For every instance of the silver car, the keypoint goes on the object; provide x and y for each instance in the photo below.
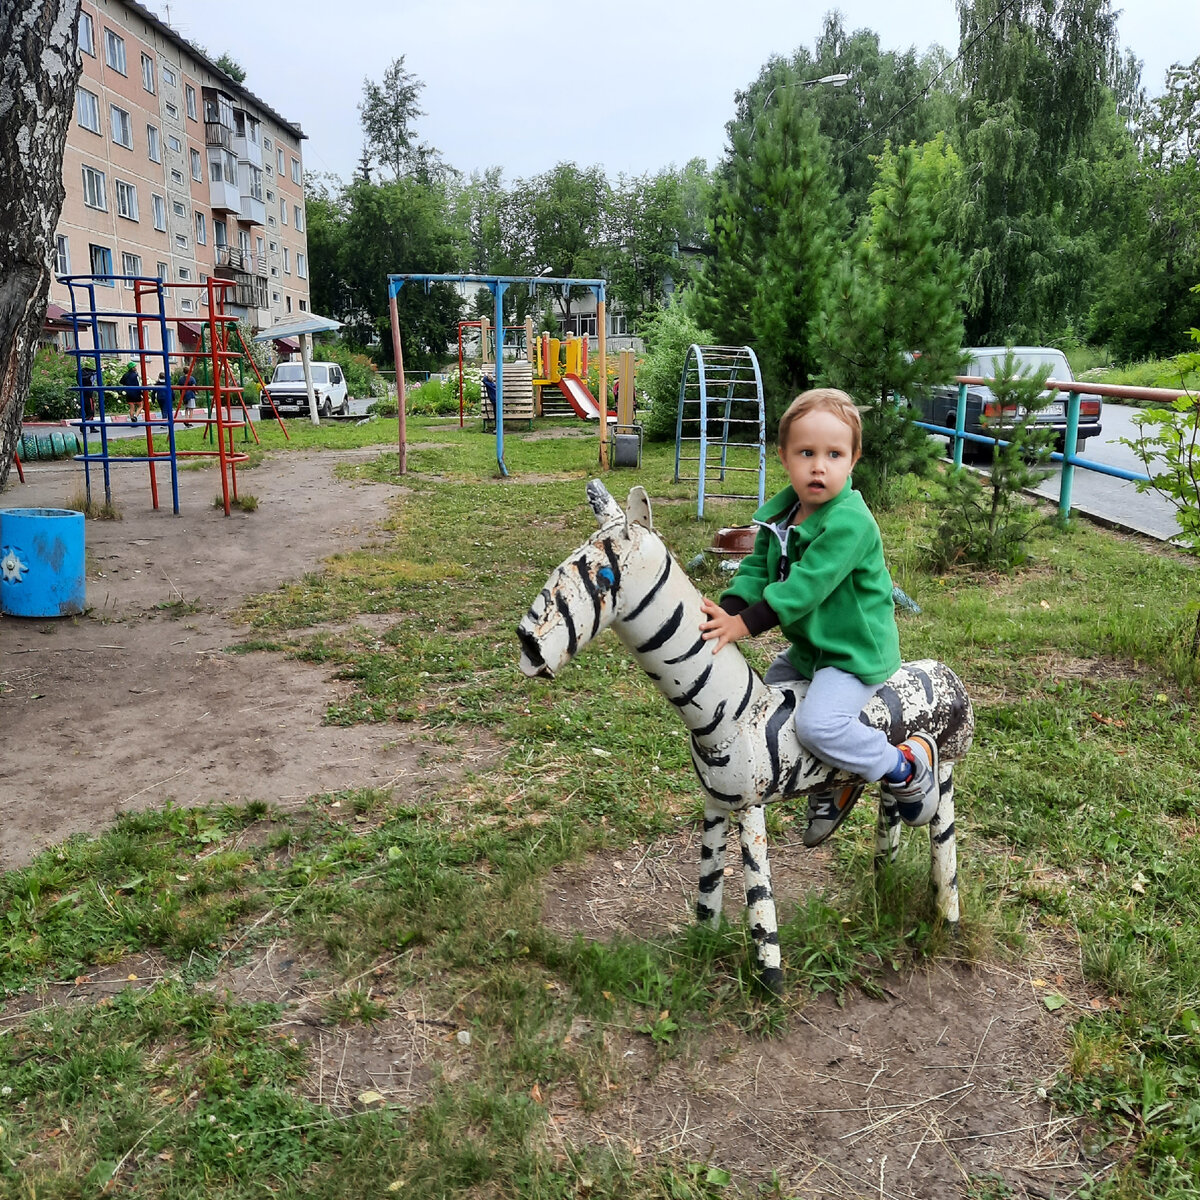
(984, 413)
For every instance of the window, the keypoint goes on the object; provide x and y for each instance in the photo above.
(304, 306)
(301, 266)
(169, 75)
(283, 210)
(87, 34)
(287, 261)
(279, 158)
(267, 144)
(114, 51)
(181, 241)
(189, 93)
(93, 190)
(295, 170)
(271, 221)
(153, 143)
(185, 274)
(177, 176)
(289, 303)
(62, 255)
(274, 247)
(100, 260)
(107, 334)
(244, 242)
(270, 196)
(131, 264)
(87, 108)
(122, 126)
(219, 232)
(179, 208)
(127, 205)
(258, 246)
(186, 305)
(197, 169)
(163, 272)
(174, 143)
(203, 295)
(215, 174)
(172, 110)
(274, 297)
(135, 340)
(148, 73)
(298, 214)
(256, 190)
(275, 272)
(160, 212)
(201, 230)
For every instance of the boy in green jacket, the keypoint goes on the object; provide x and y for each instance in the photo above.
(817, 571)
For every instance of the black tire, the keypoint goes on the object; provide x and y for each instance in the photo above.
(344, 411)
(327, 407)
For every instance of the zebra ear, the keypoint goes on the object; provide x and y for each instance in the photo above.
(603, 505)
(637, 508)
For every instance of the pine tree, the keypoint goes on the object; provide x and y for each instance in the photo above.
(776, 222)
(894, 322)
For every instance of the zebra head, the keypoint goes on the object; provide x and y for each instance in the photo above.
(581, 598)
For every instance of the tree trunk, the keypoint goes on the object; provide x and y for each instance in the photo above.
(37, 100)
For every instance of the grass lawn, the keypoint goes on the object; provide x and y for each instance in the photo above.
(1078, 812)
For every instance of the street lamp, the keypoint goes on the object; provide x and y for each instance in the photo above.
(838, 80)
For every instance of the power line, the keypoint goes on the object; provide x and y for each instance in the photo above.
(925, 90)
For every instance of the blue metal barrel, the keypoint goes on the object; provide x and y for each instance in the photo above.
(41, 562)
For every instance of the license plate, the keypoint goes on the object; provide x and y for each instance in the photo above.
(1053, 410)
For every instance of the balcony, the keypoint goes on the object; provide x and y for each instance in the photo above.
(253, 211)
(248, 151)
(233, 260)
(216, 134)
(223, 195)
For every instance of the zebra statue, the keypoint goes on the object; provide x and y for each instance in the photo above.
(744, 745)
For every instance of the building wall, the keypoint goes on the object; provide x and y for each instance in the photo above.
(163, 88)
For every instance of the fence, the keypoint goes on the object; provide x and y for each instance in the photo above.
(1068, 458)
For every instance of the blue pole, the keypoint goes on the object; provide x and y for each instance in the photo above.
(960, 424)
(498, 292)
(1068, 463)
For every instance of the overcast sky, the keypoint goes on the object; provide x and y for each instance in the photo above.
(629, 85)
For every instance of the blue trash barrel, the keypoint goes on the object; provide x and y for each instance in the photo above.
(41, 562)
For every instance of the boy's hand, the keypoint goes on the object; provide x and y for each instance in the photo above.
(721, 628)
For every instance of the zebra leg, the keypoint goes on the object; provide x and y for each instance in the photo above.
(943, 866)
(712, 864)
(887, 832)
(760, 900)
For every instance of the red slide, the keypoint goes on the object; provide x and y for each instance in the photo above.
(580, 399)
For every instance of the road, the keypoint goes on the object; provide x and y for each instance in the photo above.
(1116, 500)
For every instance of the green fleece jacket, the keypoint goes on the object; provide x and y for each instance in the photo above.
(832, 595)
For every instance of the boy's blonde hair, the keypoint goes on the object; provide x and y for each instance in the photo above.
(826, 400)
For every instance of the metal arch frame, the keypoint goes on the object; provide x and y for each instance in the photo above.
(696, 352)
(497, 285)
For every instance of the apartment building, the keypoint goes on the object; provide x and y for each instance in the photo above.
(172, 169)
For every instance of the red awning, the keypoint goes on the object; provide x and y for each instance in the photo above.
(57, 318)
(188, 331)
(287, 345)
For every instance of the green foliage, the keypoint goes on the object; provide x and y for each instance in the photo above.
(894, 325)
(667, 335)
(362, 376)
(231, 67)
(50, 397)
(776, 221)
(989, 524)
(388, 111)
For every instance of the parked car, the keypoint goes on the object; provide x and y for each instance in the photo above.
(984, 413)
(290, 393)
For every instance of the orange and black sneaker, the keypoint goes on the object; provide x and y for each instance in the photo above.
(917, 799)
(827, 810)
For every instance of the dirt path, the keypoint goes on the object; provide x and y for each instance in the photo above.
(139, 701)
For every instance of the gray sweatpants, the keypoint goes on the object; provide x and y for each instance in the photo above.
(827, 720)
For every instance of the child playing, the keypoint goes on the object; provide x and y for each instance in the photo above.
(817, 571)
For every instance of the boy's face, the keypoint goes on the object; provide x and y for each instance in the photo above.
(818, 457)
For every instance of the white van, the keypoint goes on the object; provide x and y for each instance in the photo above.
(288, 390)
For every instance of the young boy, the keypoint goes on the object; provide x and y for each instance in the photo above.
(817, 571)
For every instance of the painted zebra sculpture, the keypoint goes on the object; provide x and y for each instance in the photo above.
(743, 739)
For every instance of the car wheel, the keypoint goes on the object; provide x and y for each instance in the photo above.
(344, 411)
(327, 407)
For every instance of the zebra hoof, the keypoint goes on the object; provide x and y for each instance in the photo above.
(772, 979)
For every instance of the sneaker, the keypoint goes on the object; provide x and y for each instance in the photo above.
(917, 800)
(827, 810)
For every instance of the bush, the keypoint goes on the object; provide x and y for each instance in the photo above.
(667, 334)
(50, 397)
(362, 376)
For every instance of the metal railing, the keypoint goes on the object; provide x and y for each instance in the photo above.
(1075, 390)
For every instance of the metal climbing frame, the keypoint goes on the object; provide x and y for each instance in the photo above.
(721, 414)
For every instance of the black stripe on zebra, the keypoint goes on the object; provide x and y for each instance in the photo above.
(718, 717)
(589, 585)
(735, 800)
(654, 590)
(749, 861)
(690, 652)
(779, 719)
(757, 894)
(896, 726)
(614, 563)
(926, 682)
(762, 937)
(710, 760)
(945, 835)
(741, 708)
(709, 882)
(690, 695)
(564, 610)
(666, 631)
(713, 822)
